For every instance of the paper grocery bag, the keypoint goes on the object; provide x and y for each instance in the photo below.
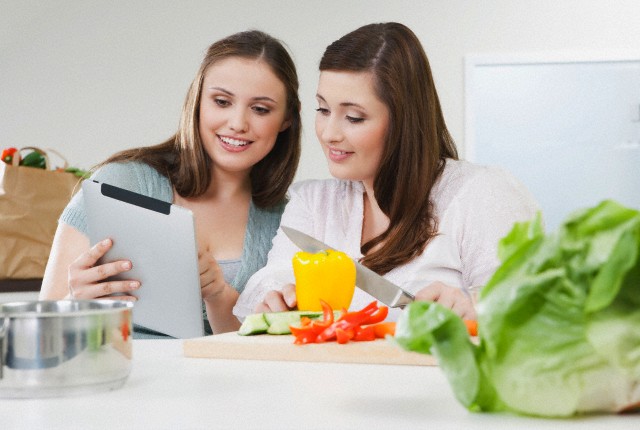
(31, 201)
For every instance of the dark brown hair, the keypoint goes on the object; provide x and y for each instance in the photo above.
(183, 159)
(417, 141)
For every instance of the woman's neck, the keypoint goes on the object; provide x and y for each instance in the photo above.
(228, 185)
(374, 221)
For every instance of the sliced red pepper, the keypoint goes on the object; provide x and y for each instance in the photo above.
(309, 329)
(327, 315)
(349, 320)
(305, 321)
(382, 329)
(307, 334)
(472, 327)
(366, 333)
(358, 326)
(359, 317)
(378, 316)
(344, 336)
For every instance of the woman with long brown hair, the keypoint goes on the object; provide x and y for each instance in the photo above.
(230, 162)
(401, 201)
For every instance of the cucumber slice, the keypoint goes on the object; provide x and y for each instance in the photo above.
(277, 322)
(290, 317)
(253, 324)
(279, 327)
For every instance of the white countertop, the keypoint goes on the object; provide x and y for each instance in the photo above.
(169, 391)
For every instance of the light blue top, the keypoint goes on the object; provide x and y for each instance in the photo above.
(141, 178)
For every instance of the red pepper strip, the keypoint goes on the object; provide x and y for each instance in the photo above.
(359, 317)
(349, 320)
(472, 327)
(359, 325)
(378, 316)
(309, 329)
(307, 334)
(382, 329)
(305, 321)
(330, 332)
(327, 315)
(366, 333)
(344, 336)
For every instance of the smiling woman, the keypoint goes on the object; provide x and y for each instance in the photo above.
(243, 108)
(351, 124)
(401, 201)
(230, 163)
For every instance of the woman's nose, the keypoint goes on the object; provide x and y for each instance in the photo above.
(238, 121)
(328, 130)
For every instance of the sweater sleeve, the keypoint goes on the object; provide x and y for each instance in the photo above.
(494, 201)
(137, 177)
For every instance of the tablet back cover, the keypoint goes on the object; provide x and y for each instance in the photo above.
(159, 239)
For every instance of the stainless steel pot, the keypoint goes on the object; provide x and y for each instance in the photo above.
(56, 348)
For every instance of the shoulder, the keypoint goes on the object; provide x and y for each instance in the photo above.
(462, 178)
(137, 177)
(482, 191)
(325, 189)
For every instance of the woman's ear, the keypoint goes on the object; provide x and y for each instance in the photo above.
(285, 125)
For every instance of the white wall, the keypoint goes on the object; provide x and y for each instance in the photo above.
(89, 78)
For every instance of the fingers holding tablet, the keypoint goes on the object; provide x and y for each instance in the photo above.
(89, 281)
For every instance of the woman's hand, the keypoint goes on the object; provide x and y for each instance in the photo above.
(212, 283)
(279, 301)
(87, 281)
(449, 297)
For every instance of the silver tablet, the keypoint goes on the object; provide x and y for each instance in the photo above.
(159, 239)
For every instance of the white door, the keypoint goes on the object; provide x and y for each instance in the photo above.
(569, 130)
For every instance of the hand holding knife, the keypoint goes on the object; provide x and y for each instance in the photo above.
(366, 279)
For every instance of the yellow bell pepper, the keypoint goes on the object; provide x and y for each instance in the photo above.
(328, 275)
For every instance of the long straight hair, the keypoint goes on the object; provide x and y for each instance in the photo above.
(417, 141)
(183, 159)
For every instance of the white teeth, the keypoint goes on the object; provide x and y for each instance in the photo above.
(336, 152)
(234, 142)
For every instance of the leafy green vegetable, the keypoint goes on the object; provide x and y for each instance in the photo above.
(559, 321)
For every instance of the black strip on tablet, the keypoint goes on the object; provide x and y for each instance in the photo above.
(136, 199)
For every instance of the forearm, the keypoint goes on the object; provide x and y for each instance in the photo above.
(68, 244)
(219, 311)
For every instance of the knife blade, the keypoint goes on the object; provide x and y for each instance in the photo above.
(366, 279)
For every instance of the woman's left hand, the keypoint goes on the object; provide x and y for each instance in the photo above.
(212, 282)
(449, 297)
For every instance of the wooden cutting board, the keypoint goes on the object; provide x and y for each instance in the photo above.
(281, 348)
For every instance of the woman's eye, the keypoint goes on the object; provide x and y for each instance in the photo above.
(222, 102)
(354, 119)
(261, 110)
(322, 111)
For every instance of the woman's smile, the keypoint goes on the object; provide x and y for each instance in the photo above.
(234, 144)
(337, 155)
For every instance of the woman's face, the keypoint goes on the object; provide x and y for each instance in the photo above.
(242, 110)
(351, 124)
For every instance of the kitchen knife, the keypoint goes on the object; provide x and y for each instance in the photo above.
(366, 279)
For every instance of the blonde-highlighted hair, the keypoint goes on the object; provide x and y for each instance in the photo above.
(183, 158)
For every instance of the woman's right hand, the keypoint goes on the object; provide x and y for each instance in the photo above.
(279, 301)
(88, 281)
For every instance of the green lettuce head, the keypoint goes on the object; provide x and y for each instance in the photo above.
(559, 321)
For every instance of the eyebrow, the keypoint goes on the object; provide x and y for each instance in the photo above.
(260, 98)
(343, 104)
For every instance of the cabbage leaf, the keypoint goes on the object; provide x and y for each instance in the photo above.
(559, 321)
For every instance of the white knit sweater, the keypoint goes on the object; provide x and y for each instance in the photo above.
(475, 207)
